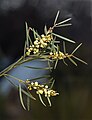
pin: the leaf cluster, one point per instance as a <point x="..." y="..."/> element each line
<point x="45" y="48"/>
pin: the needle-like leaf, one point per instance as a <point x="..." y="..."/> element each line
<point x="76" y="48"/>
<point x="41" y="100"/>
<point x="44" y="68"/>
<point x="34" y="32"/>
<point x="72" y="61"/>
<point x="42" y="77"/>
<point x="26" y="93"/>
<point x="30" y="40"/>
<point x="45" y="30"/>
<point x="64" y="21"/>
<point x="64" y="25"/>
<point x="26" y="42"/>
<point x="10" y="67"/>
<point x="20" y="80"/>
<point x="65" y="62"/>
<point x="49" y="101"/>
<point x="52" y="84"/>
<point x="56" y="17"/>
<point x="64" y="47"/>
<point x="21" y="98"/>
<point x="63" y="38"/>
<point x="56" y="62"/>
<point x="79" y="60"/>
<point x="49" y="65"/>
<point x="28" y="103"/>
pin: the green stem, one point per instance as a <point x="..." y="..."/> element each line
<point x="14" y="65"/>
<point x="10" y="67"/>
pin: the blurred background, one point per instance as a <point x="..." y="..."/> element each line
<point x="73" y="83"/>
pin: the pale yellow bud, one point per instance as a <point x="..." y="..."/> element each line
<point x="42" y="46"/>
<point x="32" y="83"/>
<point x="46" y="86"/>
<point x="27" y="81"/>
<point x="37" y="38"/>
<point x="37" y="46"/>
<point x="28" y="53"/>
<point x="36" y="42"/>
<point x="61" y="55"/>
<point x="39" y="92"/>
<point x="36" y="83"/>
<point x="51" y="53"/>
<point x="29" y="88"/>
<point x="35" y="87"/>
<point x="42" y="35"/>
<point x="41" y="41"/>
<point x="31" y="48"/>
<point x="45" y="44"/>
<point x="53" y="93"/>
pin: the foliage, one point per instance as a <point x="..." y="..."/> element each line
<point x="45" y="48"/>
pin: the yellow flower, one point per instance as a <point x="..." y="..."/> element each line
<point x="53" y="93"/>
<point x="29" y="87"/>
<point x="61" y="55"/>
<point x="36" y="83"/>
<point x="27" y="53"/>
<point x="39" y="91"/>
<point x="36" y="42"/>
<point x="46" y="86"/>
<point x="27" y="81"/>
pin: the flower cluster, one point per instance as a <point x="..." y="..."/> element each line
<point x="41" y="89"/>
<point x="40" y="43"/>
<point x="57" y="55"/>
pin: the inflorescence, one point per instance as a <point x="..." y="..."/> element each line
<point x="41" y="89"/>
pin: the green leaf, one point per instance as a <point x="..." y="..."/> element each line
<point x="44" y="68"/>
<point x="64" y="25"/>
<point x="56" y="62"/>
<point x="27" y="34"/>
<point x="52" y="84"/>
<point x="21" y="98"/>
<point x="79" y="60"/>
<point x="57" y="42"/>
<point x="10" y="67"/>
<point x="76" y="48"/>
<point x="41" y="100"/>
<point x="35" y="36"/>
<point x="45" y="30"/>
<point x="64" y="47"/>
<point x="45" y="76"/>
<point x="26" y="42"/>
<point x="49" y="101"/>
<point x="34" y="32"/>
<point x="27" y="94"/>
<point x="65" y="62"/>
<point x="64" y="21"/>
<point x="20" y="80"/>
<point x="72" y="61"/>
<point x="28" y="103"/>
<point x="30" y="40"/>
<point x="56" y="17"/>
<point x="49" y="65"/>
<point x="64" y="38"/>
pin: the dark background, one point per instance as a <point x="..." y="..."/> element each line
<point x="73" y="83"/>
